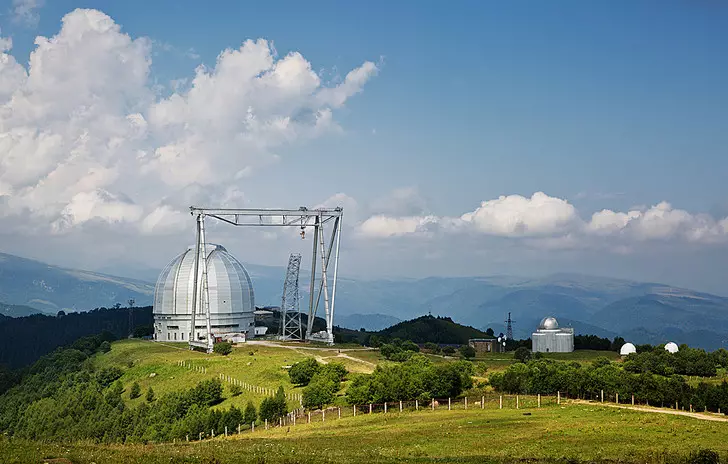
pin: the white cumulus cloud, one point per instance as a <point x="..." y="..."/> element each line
<point x="84" y="135"/>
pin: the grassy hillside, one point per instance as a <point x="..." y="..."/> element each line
<point x="571" y="433"/>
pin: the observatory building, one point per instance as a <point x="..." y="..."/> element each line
<point x="671" y="347"/>
<point x="232" y="301"/>
<point x="549" y="338"/>
<point x="627" y="349"/>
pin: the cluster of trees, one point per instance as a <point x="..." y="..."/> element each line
<point x="322" y="381"/>
<point x="466" y="351"/>
<point x="547" y="377"/>
<point x="592" y="342"/>
<point x="64" y="397"/>
<point x="441" y="330"/>
<point x="398" y="350"/>
<point x="23" y="340"/>
<point x="416" y="378"/>
<point x="687" y="361"/>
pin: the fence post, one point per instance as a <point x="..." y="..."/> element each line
<point x="448" y="404"/>
<point x="433" y="404"/>
<point x="482" y="402"/>
<point x="354" y="410"/>
<point x="238" y="429"/>
<point x="294" y="419"/>
<point x="266" y="424"/>
<point x="633" y="399"/>
<point x="323" y="415"/>
<point x="400" y="405"/>
<point x="370" y="408"/>
<point x="339" y="413"/>
<point x="280" y="422"/>
<point x="500" y="402"/>
<point x="675" y="405"/>
<point x="226" y="434"/>
<point x="691" y="408"/>
<point x="539" y="400"/>
<point x="602" y="396"/>
<point x="187" y="437"/>
<point x="200" y="438"/>
<point x="517" y="402"/>
<point x="252" y="426"/>
<point x="558" y="397"/>
<point x="385" y="407"/>
<point x="309" y="417"/>
<point x="616" y="398"/>
<point x="466" y="402"/>
<point x="213" y="433"/>
<point x="417" y="405"/>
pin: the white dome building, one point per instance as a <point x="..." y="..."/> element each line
<point x="232" y="300"/>
<point x="549" y="338"/>
<point x="671" y="347"/>
<point x="627" y="349"/>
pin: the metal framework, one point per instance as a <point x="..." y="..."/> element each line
<point x="291" y="328"/>
<point x="509" y="327"/>
<point x="304" y="218"/>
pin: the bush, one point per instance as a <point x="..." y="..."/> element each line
<point x="409" y="346"/>
<point x="223" y="348"/>
<point x="432" y="347"/>
<point x="334" y="371"/>
<point x="274" y="407"/>
<point x="302" y="372"/>
<point x="250" y="415"/>
<point x="319" y="392"/>
<point x="108" y="375"/>
<point x="522" y="354"/>
<point x="105" y="347"/>
<point x="704" y="456"/>
<point x="150" y="395"/>
<point x="467" y="351"/>
<point x="448" y="350"/>
<point x="135" y="391"/>
<point x="235" y="390"/>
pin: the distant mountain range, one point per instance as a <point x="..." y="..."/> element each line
<point x="638" y="311"/>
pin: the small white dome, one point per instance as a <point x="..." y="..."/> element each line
<point x="548" y="323"/>
<point x="671" y="347"/>
<point x="627" y="348"/>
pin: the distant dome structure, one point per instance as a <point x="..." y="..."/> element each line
<point x="671" y="347"/>
<point x="626" y="349"/>
<point x="548" y="323"/>
<point x="232" y="300"/>
<point x="549" y="338"/>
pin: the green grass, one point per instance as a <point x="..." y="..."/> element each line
<point x="584" y="433"/>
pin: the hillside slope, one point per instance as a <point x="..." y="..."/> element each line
<point x="433" y="329"/>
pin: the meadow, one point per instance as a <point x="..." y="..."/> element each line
<point x="571" y="432"/>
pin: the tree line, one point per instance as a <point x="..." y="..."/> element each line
<point x="64" y="397"/>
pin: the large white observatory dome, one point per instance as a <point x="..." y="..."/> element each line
<point x="671" y="347"/>
<point x="232" y="300"/>
<point x="627" y="348"/>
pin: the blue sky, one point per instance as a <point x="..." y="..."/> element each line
<point x="614" y="105"/>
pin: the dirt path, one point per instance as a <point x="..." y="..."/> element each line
<point x="297" y="347"/>
<point x="695" y="415"/>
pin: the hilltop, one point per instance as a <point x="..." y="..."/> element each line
<point x="433" y="329"/>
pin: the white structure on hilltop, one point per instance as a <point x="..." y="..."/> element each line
<point x="231" y="302"/>
<point x="627" y="349"/>
<point x="549" y="338"/>
<point x="671" y="347"/>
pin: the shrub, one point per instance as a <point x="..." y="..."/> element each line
<point x="274" y="407"/>
<point x="704" y="456"/>
<point x="223" y="348"/>
<point x="432" y="347"/>
<point x="522" y="354"/>
<point x="150" y="395"/>
<point x="235" y="390"/>
<point x="302" y="372"/>
<point x="409" y="346"/>
<point x="135" y="391"/>
<point x="448" y="350"/>
<point x="334" y="371"/>
<point x="250" y="415"/>
<point x="467" y="351"/>
<point x="105" y="347"/>
<point x="319" y="392"/>
<point x="108" y="375"/>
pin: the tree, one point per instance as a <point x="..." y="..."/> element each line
<point x="108" y="375"/>
<point x="467" y="351"/>
<point x="135" y="391"/>
<point x="235" y="389"/>
<point x="319" y="392"/>
<point x="432" y="347"/>
<point x="522" y="354"/>
<point x="250" y="415"/>
<point x="274" y="407"/>
<point x="150" y="395"/>
<point x="105" y="347"/>
<point x="223" y="348"/>
<point x="302" y="372"/>
<point x="448" y="350"/>
<point x="490" y="332"/>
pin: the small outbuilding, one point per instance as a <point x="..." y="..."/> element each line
<point x="487" y="345"/>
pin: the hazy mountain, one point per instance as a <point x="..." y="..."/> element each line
<point x="639" y="311"/>
<point x="52" y="288"/>
<point x="7" y="310"/>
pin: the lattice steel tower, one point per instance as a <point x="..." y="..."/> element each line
<point x="509" y="327"/>
<point x="291" y="328"/>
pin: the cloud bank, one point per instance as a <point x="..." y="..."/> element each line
<point x="85" y="137"/>
<point x="554" y="222"/>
